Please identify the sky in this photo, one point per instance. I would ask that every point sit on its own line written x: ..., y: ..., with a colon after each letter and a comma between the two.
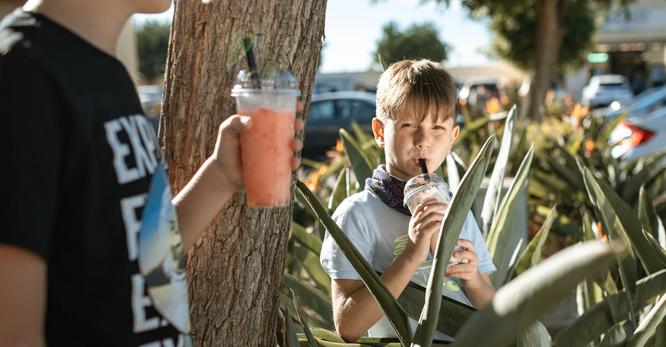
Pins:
x: 353, y: 28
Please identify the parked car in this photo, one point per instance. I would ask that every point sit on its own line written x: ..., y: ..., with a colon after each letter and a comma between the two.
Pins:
x: 602, y: 90
x: 640, y: 135
x: 476, y: 92
x: 645, y: 102
x: 331, y: 111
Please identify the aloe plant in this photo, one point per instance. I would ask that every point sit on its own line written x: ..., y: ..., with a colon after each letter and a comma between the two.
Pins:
x: 614, y: 308
x: 493, y: 194
x: 649, y: 324
x: 504, y: 241
x: 614, y: 337
x: 522, y: 301
x: 532, y: 253
x: 624, y: 221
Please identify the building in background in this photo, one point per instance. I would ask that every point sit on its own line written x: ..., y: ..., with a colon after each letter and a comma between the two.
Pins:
x: 631, y: 43
x: 504, y: 73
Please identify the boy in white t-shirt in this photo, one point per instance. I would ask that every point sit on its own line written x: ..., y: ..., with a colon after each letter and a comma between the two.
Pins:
x: 415, y: 107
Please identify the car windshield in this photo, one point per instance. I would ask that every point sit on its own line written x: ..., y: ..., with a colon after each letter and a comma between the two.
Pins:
x: 611, y: 85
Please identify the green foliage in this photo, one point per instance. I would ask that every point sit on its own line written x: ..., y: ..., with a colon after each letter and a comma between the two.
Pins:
x: 152, y: 39
x: 590, y: 206
x: 515, y: 24
x: 525, y: 299
x: 416, y: 42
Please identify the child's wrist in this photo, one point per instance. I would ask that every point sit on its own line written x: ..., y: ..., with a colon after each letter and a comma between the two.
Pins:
x: 475, y: 282
x: 214, y: 169
x: 412, y: 258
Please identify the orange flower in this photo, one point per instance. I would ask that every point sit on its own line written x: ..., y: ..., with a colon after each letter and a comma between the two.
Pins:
x: 600, y: 232
x: 493, y: 105
x: 579, y: 112
x: 590, y: 145
x: 339, y: 146
x: 312, y: 181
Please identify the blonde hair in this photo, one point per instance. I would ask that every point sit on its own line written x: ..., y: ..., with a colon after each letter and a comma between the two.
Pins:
x: 422, y: 85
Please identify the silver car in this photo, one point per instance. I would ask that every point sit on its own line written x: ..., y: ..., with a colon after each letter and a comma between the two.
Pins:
x: 602, y: 90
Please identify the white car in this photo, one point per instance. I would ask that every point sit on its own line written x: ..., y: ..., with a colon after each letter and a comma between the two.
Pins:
x: 639, y: 136
x: 602, y: 90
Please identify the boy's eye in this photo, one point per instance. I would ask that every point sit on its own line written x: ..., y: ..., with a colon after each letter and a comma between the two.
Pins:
x: 439, y: 127
x: 407, y: 125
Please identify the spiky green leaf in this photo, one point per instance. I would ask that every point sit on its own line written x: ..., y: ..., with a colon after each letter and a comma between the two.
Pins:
x: 518, y: 304
x: 504, y: 240
x: 448, y: 236
x: 494, y: 192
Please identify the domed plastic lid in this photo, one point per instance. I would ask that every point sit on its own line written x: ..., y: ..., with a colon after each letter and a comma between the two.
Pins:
x: 426, y: 186
x: 280, y: 81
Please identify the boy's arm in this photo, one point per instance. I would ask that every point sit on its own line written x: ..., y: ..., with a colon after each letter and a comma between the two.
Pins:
x: 22, y: 303
x: 354, y: 308
x: 213, y: 184
x: 480, y: 292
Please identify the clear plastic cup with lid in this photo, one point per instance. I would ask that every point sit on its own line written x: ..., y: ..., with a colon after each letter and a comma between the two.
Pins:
x: 424, y: 187
x: 266, y: 151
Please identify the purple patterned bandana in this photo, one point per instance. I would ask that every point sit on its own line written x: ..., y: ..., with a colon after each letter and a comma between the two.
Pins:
x: 389, y: 189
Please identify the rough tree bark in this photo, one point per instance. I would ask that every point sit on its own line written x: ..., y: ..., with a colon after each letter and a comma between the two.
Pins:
x: 235, y: 270
x: 548, y: 41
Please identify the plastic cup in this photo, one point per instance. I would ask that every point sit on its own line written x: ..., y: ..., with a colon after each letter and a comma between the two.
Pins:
x: 266, y: 149
x: 424, y: 187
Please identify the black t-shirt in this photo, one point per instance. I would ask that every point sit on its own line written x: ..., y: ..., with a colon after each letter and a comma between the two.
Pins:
x: 87, y: 191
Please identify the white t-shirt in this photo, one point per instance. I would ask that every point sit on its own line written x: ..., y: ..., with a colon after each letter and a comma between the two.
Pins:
x: 372, y: 227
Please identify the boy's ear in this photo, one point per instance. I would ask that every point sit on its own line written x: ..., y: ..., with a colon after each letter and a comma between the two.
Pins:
x: 455, y: 133
x: 378, y: 131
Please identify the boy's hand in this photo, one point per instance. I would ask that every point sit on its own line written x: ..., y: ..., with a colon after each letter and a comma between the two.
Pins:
x: 227, y: 147
x: 425, y: 223
x: 467, y: 269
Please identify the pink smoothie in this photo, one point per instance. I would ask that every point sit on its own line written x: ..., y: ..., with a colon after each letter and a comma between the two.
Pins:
x: 266, y: 153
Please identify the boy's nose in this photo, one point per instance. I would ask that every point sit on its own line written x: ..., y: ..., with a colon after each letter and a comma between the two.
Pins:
x: 422, y: 139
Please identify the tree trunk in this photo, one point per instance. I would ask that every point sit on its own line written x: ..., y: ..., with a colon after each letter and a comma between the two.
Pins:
x: 235, y: 270
x: 548, y: 41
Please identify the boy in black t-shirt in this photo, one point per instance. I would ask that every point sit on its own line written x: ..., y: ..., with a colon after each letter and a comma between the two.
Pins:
x: 91, y: 249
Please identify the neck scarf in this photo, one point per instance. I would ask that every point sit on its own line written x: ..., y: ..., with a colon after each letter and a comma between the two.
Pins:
x: 389, y: 189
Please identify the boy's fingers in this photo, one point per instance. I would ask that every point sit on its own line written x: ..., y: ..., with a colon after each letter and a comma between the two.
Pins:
x: 235, y: 124
x: 295, y: 163
x: 466, y: 244
x: 299, y: 105
x: 298, y: 125
x: 460, y: 268
x: 296, y: 145
x: 434, y: 207
x: 466, y: 257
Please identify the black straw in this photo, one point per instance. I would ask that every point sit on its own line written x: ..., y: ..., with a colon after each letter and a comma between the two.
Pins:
x: 251, y: 62
x: 422, y: 164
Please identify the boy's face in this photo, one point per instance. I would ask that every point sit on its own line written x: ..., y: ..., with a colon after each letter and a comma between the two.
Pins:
x: 405, y: 141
